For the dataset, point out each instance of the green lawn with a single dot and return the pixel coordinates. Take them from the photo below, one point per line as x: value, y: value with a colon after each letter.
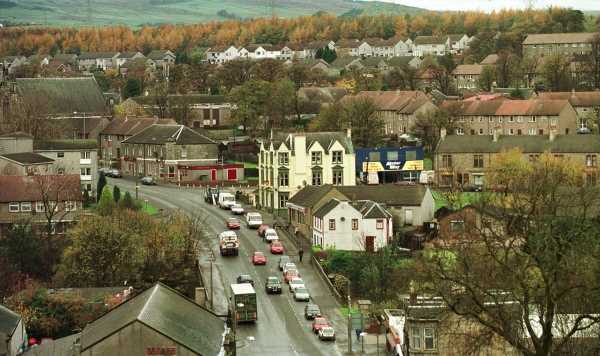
x: 464, y: 198
x: 344, y: 311
x: 148, y: 208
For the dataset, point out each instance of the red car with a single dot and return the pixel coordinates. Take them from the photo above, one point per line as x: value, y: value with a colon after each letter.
x: 290, y: 274
x: 259, y: 258
x: 261, y: 230
x: 319, y: 323
x: 233, y: 224
x: 276, y: 247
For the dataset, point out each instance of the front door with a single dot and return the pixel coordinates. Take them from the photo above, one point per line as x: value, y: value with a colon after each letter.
x: 231, y: 174
x: 370, y: 244
x: 213, y: 175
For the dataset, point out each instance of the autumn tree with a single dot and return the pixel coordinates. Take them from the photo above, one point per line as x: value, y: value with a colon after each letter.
x: 507, y: 69
x: 234, y: 73
x: 269, y: 70
x: 487, y: 78
x: 526, y: 270
x: 556, y: 72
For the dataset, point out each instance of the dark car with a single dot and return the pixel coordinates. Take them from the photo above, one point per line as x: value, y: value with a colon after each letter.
x: 273, y: 285
x: 114, y: 173
x: 245, y: 278
x: 148, y: 180
x: 311, y: 311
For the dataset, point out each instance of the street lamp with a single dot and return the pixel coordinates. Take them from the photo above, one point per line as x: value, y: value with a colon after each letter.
x: 137, y: 187
x: 211, y: 259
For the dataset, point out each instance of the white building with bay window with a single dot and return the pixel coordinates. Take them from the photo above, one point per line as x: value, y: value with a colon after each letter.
x: 289, y: 162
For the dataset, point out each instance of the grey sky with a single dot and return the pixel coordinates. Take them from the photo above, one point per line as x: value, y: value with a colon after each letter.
x: 488, y: 5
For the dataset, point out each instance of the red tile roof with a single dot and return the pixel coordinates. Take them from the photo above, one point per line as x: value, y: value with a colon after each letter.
x: 33, y: 188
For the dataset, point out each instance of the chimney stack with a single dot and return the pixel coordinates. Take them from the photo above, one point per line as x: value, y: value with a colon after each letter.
x: 443, y: 133
x: 349, y: 132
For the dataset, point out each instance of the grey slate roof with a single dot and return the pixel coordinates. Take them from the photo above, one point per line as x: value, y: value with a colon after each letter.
x: 94, y: 55
x: 329, y: 206
x: 309, y: 195
x: 27, y: 158
x: 159, y: 54
x: 161, y: 134
x: 62, y: 96
x: 167, y: 312
x: 65, y: 145
x: 529, y: 144
x: 8, y: 320
x: 126, y: 55
x: 371, y: 210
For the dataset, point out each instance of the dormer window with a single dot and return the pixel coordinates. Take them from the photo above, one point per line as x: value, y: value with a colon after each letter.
x: 283, y: 158
x: 337, y: 157
x: 316, y: 158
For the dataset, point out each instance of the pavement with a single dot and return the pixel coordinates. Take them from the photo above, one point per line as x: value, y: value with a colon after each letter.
x: 280, y: 328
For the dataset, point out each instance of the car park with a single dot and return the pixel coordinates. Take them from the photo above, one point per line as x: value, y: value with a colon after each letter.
x: 245, y: 278
x: 237, y: 209
x: 319, y: 323
x: 301, y: 294
x: 291, y: 274
x: 259, y: 258
x: 296, y: 282
x: 233, y: 223
x: 327, y: 334
x: 148, y: 180
x: 311, y: 311
x: 271, y: 235
x: 276, y: 247
x: 283, y: 260
x: 261, y: 230
x: 253, y: 220
x: 273, y: 285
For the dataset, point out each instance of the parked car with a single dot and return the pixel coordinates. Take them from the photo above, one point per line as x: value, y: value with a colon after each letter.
x: 327, y: 334
x: 147, y: 180
x: 283, y: 260
x: 296, y: 282
x: 104, y: 170
x: 273, y: 285
x: 301, y: 294
x: 271, y: 235
x: 114, y: 173
x: 253, y: 220
x: 276, y: 247
x: 319, y: 323
x: 233, y: 223
x: 237, y: 209
x: 311, y: 311
x: 261, y: 230
x: 245, y: 278
x: 289, y: 265
x: 291, y: 274
x: 259, y: 258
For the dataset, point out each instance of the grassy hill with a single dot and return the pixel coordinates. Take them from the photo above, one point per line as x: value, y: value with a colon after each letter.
x: 139, y: 12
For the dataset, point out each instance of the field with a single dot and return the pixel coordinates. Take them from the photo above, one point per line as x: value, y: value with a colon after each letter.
x: 139, y: 12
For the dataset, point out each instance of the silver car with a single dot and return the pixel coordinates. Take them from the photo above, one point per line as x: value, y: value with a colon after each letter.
x: 301, y: 294
x: 296, y: 283
x: 282, y: 261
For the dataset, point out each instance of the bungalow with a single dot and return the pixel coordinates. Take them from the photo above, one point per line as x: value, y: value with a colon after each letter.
x: 13, y: 337
x: 353, y: 226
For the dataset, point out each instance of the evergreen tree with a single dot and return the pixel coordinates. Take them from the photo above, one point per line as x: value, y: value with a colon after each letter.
x: 128, y: 203
x: 133, y: 87
x: 116, y: 193
x: 100, y: 186
x: 106, y: 204
x: 86, y: 198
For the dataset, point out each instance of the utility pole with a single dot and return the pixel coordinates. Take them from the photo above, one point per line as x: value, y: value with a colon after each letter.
x: 349, y: 320
x: 212, y: 259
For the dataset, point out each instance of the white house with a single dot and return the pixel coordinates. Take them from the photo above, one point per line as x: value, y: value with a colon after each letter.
x: 288, y: 162
x: 403, y: 48
x: 217, y: 55
x: 353, y: 226
x: 434, y: 45
x: 125, y: 57
x: 459, y: 43
x: 12, y: 332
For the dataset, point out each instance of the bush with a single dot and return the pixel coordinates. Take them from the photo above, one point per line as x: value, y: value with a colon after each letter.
x: 116, y: 194
x: 106, y: 205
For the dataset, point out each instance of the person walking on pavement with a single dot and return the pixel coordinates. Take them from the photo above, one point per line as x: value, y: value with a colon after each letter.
x: 300, y: 254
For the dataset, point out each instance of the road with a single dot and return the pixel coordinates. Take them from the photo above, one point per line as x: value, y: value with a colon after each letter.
x: 281, y: 328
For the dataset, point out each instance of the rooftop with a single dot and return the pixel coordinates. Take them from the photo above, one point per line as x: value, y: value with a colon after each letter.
x: 132, y: 126
x: 65, y: 145
x: 27, y: 158
x: 559, y: 38
x: 30, y: 188
x: 9, y: 320
x: 401, y: 101
x: 529, y: 144
x: 506, y: 107
x: 161, y: 134
x: 577, y: 98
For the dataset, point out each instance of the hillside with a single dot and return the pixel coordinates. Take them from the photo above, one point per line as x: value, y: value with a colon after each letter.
x: 139, y: 12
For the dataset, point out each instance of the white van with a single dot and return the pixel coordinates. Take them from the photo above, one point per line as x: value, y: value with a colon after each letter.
x: 226, y: 200
x: 253, y: 220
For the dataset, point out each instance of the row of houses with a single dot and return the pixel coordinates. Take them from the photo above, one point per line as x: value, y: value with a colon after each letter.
x: 369, y: 47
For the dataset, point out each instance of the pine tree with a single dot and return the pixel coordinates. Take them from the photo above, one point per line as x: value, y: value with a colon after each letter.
x: 116, y: 194
x: 106, y: 204
x: 100, y: 186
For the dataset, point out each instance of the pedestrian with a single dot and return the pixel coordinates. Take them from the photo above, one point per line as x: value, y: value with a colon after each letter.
x: 358, y: 332
x: 300, y: 254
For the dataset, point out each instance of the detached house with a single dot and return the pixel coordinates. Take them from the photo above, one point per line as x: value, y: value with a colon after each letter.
x: 399, y: 109
x: 352, y: 226
x: 177, y: 154
x: 97, y: 60
x: 459, y: 42
x: 288, y: 162
x: 466, y: 76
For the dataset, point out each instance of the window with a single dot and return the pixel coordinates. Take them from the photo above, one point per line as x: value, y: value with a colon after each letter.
x: 533, y: 158
x: 183, y: 152
x: 331, y: 224
x: 39, y: 207
x: 590, y: 160
x: 392, y: 155
x: 379, y: 224
x: 85, y: 155
x: 284, y: 179
x: 460, y: 131
x: 70, y: 206
x: 13, y: 207
x: 316, y: 178
x: 25, y: 206
x: 457, y: 225
x: 491, y: 119
x: 415, y: 338
x: 283, y: 158
x: 411, y: 155
x: 85, y: 171
x: 511, y: 119
x: 354, y: 224
x: 338, y: 177
x: 481, y: 131
x: 270, y: 157
x: 511, y: 131
x: 283, y: 198
x: 540, y: 131
x: 447, y: 161
x: 429, y: 338
x: 591, y: 178
x: 531, y: 131
x: 315, y: 158
x: 374, y: 157
x: 532, y: 119
x: 337, y: 157
x: 60, y: 154
x: 478, y: 161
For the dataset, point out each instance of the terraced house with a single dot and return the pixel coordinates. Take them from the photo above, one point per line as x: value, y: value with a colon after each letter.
x: 463, y: 160
x: 585, y: 103
x: 512, y: 117
x: 288, y: 162
x: 566, y: 44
